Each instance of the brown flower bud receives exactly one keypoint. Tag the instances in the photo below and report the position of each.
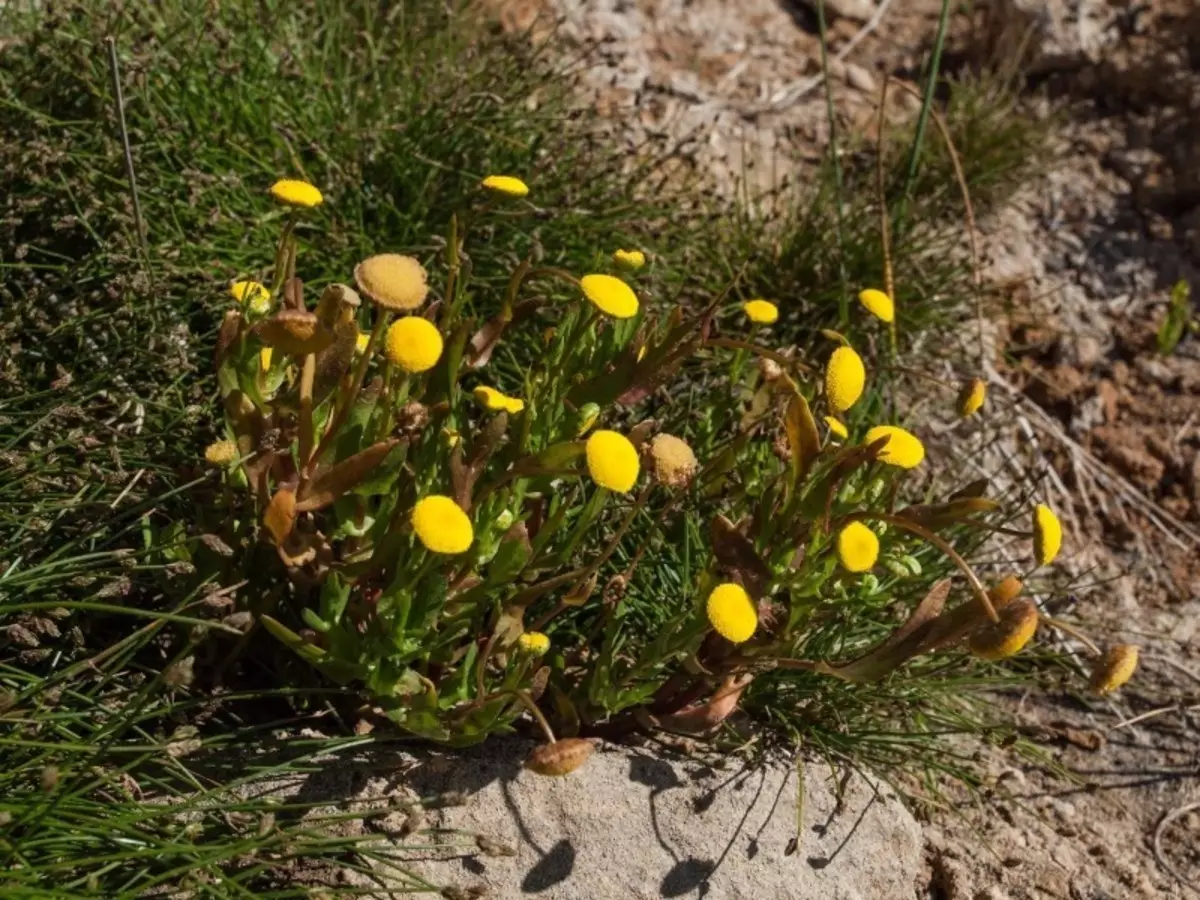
(560, 758)
(1114, 668)
(1000, 640)
(674, 462)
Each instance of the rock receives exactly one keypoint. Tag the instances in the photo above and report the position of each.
(859, 78)
(628, 825)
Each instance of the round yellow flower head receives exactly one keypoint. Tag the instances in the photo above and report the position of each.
(612, 461)
(878, 304)
(761, 312)
(845, 377)
(361, 342)
(441, 525)
(253, 294)
(264, 359)
(674, 461)
(903, 448)
(971, 397)
(293, 192)
(1000, 640)
(506, 184)
(857, 547)
(392, 280)
(1114, 668)
(630, 259)
(1047, 534)
(221, 453)
(610, 295)
(413, 344)
(496, 401)
(837, 428)
(533, 643)
(731, 612)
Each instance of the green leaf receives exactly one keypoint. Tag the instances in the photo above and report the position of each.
(335, 669)
(1178, 312)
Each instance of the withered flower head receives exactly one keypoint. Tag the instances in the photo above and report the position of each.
(674, 461)
(1114, 668)
(294, 331)
(560, 758)
(1000, 640)
(392, 281)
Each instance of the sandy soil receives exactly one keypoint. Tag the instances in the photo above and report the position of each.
(1081, 264)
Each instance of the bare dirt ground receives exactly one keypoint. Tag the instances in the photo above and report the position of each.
(1081, 262)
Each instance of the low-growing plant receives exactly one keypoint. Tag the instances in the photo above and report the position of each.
(471, 539)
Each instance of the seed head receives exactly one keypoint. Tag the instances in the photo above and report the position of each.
(674, 462)
(392, 281)
(971, 397)
(414, 344)
(221, 453)
(560, 758)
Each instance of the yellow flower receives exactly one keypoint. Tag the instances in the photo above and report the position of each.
(902, 449)
(222, 453)
(731, 612)
(534, 643)
(1114, 668)
(971, 397)
(413, 344)
(292, 192)
(392, 280)
(264, 359)
(610, 295)
(674, 461)
(256, 295)
(641, 354)
(845, 377)
(1000, 640)
(612, 461)
(441, 525)
(506, 184)
(761, 312)
(857, 547)
(836, 428)
(360, 343)
(878, 304)
(496, 401)
(1047, 534)
(630, 259)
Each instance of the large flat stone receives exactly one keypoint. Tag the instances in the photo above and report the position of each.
(630, 825)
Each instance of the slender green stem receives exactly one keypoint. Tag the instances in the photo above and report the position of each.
(935, 64)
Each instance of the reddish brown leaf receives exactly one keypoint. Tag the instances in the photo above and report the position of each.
(331, 483)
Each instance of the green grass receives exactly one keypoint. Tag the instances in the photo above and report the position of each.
(106, 395)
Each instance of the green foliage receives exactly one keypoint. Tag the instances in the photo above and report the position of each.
(1177, 319)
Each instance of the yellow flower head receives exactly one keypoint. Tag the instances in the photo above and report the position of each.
(441, 525)
(506, 184)
(612, 461)
(971, 397)
(1114, 668)
(610, 295)
(498, 402)
(903, 448)
(292, 192)
(1000, 640)
(845, 377)
(630, 259)
(413, 344)
(264, 359)
(1047, 534)
(837, 428)
(878, 304)
(761, 312)
(731, 612)
(257, 296)
(857, 547)
(674, 461)
(361, 342)
(222, 453)
(392, 280)
(533, 643)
